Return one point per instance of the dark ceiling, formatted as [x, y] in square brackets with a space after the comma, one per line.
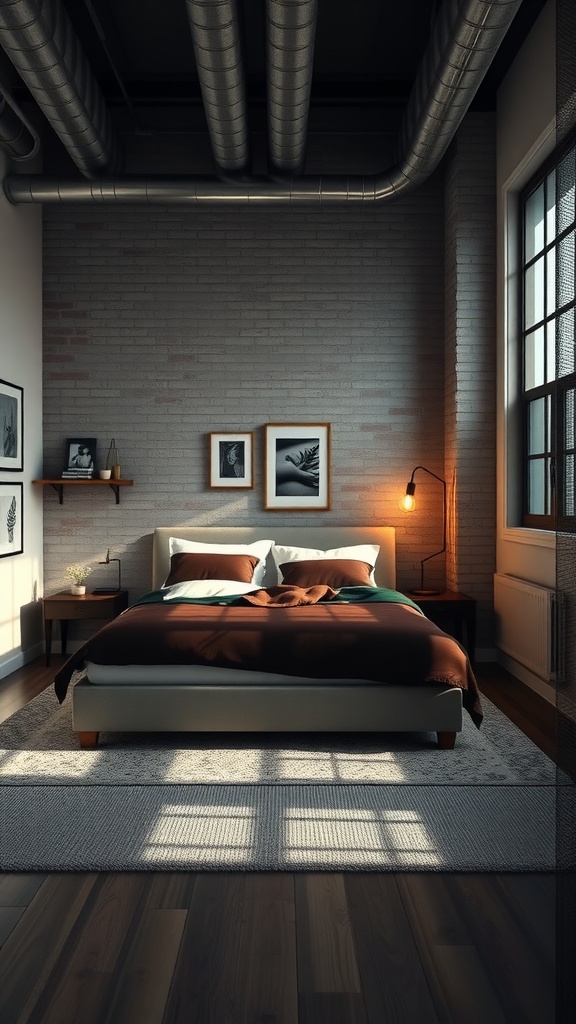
[366, 56]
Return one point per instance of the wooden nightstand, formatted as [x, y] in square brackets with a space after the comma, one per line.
[66, 606]
[455, 613]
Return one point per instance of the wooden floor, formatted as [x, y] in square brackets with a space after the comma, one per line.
[280, 948]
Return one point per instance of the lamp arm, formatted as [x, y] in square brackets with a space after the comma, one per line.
[443, 482]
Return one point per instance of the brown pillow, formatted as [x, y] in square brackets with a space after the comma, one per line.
[332, 572]
[186, 566]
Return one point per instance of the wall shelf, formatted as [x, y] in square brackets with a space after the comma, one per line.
[59, 484]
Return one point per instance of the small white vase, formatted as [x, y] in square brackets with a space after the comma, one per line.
[78, 589]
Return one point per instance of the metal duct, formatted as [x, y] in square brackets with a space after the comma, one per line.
[40, 41]
[290, 33]
[465, 37]
[14, 135]
[215, 29]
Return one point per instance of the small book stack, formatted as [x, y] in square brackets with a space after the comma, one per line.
[77, 474]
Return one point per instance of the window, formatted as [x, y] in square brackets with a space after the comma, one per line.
[548, 344]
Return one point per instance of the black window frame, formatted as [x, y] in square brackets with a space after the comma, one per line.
[555, 453]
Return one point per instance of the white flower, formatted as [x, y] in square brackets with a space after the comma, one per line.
[78, 573]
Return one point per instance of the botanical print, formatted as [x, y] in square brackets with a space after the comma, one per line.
[10, 519]
[11, 425]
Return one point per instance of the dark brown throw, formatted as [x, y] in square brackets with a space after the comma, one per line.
[383, 642]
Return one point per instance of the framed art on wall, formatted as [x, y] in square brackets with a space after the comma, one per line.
[11, 519]
[80, 457]
[12, 426]
[297, 466]
[231, 460]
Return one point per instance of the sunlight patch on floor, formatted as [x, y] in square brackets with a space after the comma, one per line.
[217, 834]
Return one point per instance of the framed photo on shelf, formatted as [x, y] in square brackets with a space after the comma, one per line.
[80, 457]
[11, 519]
[297, 466]
[12, 426]
[231, 460]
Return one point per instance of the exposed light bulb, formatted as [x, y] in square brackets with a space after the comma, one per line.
[407, 503]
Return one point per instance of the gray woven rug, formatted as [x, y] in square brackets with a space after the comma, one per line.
[38, 747]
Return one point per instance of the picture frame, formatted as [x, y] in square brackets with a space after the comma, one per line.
[11, 519]
[11, 427]
[80, 457]
[231, 460]
[297, 466]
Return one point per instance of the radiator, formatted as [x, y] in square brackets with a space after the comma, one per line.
[525, 624]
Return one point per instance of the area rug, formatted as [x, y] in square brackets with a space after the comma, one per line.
[372, 802]
[38, 747]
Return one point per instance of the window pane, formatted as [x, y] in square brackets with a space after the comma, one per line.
[551, 282]
[534, 224]
[536, 487]
[566, 270]
[565, 343]
[565, 191]
[534, 295]
[551, 207]
[550, 351]
[534, 359]
[537, 426]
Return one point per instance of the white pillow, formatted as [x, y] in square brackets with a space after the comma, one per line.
[207, 588]
[258, 548]
[360, 552]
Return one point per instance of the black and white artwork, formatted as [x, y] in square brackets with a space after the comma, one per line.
[231, 460]
[80, 456]
[11, 520]
[297, 466]
[11, 426]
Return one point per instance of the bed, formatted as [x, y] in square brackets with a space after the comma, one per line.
[353, 657]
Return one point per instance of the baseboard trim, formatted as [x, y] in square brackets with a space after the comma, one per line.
[540, 686]
[15, 661]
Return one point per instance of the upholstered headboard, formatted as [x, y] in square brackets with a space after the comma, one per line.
[301, 536]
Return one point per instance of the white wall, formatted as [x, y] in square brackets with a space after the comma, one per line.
[21, 364]
[525, 137]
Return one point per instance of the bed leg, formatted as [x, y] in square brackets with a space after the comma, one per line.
[88, 740]
[446, 740]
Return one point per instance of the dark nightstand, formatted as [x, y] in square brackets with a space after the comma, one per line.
[66, 606]
[455, 613]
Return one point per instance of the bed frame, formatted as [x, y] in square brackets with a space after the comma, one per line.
[330, 706]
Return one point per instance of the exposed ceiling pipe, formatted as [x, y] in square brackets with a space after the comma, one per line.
[15, 138]
[39, 39]
[290, 34]
[465, 38]
[215, 29]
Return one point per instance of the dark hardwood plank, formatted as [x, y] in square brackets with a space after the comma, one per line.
[533, 714]
[461, 988]
[140, 988]
[326, 952]
[507, 948]
[206, 988]
[18, 890]
[393, 981]
[33, 949]
[333, 1008]
[83, 986]
[9, 917]
[267, 953]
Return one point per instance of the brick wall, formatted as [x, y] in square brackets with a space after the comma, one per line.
[470, 365]
[164, 324]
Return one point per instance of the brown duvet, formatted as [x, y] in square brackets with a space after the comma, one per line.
[382, 642]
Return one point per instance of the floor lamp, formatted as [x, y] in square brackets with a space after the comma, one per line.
[408, 504]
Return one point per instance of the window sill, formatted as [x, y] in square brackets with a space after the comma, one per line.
[524, 535]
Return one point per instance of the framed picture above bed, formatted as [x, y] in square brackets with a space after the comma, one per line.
[231, 460]
[11, 519]
[11, 425]
[297, 466]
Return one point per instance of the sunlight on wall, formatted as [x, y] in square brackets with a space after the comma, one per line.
[19, 578]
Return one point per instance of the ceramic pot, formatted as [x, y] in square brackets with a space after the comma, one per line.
[78, 589]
